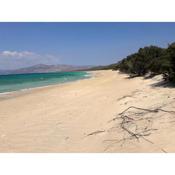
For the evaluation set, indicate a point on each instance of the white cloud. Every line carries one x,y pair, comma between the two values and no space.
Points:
18,59
8,53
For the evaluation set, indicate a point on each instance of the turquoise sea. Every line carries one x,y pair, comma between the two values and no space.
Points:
9,83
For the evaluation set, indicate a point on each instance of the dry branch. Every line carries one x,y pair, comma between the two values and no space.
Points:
96,132
130,124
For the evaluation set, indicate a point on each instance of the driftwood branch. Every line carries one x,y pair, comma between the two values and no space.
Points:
130,124
143,109
95,132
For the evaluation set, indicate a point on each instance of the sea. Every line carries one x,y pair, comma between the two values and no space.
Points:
15,82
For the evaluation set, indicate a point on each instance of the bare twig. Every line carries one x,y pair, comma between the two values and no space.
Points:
96,132
130,124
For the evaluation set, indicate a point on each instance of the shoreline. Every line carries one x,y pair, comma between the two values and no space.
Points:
11,94
84,116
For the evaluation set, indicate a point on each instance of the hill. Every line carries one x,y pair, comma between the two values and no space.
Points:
42,68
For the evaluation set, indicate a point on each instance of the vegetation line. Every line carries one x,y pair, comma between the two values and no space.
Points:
148,61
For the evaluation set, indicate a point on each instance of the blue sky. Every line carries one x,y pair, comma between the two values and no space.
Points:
26,44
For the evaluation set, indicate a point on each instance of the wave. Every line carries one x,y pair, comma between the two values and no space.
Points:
10,83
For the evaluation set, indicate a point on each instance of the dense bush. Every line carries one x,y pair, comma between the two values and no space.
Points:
150,60
170,54
153,60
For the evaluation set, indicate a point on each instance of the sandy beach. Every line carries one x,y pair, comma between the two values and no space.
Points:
85,116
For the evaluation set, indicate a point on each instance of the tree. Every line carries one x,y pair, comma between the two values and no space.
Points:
170,73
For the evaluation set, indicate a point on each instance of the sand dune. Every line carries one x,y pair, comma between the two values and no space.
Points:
82,116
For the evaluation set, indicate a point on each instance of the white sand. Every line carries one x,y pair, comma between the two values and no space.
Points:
76,117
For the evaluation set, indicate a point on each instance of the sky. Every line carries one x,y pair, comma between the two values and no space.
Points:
27,44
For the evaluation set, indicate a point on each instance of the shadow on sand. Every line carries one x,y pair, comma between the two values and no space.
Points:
163,84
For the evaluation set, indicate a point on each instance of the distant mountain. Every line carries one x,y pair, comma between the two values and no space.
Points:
42,68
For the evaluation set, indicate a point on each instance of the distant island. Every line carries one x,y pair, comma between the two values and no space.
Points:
42,68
